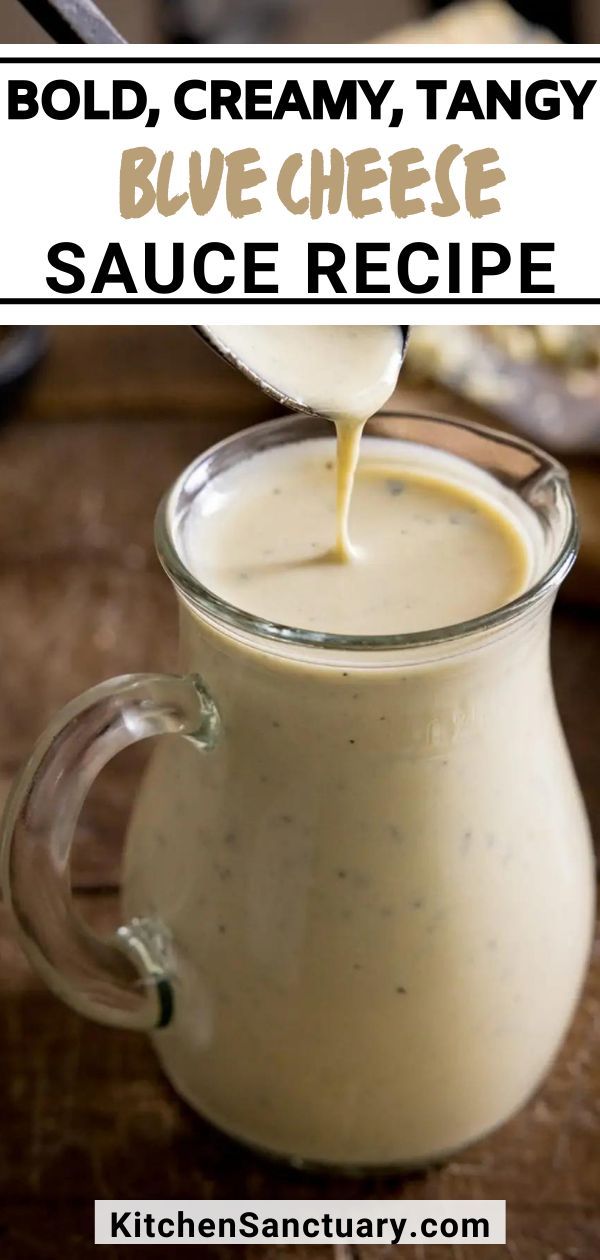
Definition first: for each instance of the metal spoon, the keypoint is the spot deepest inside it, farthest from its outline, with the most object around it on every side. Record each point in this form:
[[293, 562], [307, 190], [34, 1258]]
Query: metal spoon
[[73, 21], [211, 336]]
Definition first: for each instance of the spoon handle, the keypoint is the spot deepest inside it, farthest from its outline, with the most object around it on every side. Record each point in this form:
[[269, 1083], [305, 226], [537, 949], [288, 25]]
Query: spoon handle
[[82, 22], [73, 21]]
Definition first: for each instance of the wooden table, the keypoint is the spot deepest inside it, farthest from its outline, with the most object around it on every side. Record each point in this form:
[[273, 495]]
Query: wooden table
[[112, 418]]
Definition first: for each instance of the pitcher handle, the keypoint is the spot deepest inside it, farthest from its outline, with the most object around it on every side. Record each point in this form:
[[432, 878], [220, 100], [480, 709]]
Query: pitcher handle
[[124, 981]]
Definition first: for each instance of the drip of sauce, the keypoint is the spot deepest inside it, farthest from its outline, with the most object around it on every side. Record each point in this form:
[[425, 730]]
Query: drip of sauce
[[348, 435], [344, 373]]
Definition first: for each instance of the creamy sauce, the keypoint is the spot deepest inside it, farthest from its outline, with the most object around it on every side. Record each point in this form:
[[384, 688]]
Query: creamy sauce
[[379, 882], [344, 373], [428, 551]]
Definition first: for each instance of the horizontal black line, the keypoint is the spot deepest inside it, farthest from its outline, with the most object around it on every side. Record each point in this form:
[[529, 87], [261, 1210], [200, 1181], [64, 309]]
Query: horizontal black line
[[303, 61], [304, 301]]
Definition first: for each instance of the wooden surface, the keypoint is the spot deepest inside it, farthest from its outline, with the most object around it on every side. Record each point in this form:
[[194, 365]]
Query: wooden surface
[[112, 418]]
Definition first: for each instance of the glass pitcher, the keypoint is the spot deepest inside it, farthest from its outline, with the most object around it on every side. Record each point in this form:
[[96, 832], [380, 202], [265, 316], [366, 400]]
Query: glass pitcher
[[357, 882]]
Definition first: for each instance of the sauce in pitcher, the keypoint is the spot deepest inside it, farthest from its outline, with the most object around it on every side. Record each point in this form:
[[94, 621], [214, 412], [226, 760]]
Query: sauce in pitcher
[[428, 550], [371, 877]]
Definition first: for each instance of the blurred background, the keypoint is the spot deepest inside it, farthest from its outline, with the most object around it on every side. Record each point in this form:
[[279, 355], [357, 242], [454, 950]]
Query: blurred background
[[95, 423], [328, 20]]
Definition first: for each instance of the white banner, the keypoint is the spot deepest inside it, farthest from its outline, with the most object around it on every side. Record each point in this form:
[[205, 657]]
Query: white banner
[[310, 183], [290, 1221]]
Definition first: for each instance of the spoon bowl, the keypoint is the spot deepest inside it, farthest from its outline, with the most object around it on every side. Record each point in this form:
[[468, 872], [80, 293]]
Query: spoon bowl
[[211, 336]]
